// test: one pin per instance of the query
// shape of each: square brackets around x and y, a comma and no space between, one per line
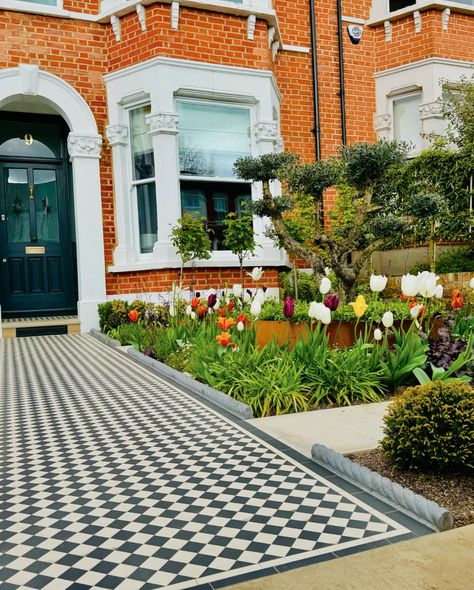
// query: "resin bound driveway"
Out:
[113,478]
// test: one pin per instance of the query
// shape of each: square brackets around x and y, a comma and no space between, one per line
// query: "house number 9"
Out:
[28,139]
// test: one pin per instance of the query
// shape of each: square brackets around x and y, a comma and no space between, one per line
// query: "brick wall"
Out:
[81,52]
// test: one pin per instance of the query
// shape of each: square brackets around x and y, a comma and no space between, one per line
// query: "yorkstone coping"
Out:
[104,338]
[433,514]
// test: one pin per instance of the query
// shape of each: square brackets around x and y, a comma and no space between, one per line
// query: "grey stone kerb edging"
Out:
[387,490]
[233,406]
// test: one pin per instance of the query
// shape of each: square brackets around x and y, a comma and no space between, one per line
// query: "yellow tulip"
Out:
[359,305]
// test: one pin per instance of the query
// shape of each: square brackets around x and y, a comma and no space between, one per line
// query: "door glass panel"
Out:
[17,205]
[30,140]
[46,205]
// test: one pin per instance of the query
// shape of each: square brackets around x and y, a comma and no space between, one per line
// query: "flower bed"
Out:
[215,338]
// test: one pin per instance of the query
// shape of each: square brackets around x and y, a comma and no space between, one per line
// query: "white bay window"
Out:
[176,129]
[407,122]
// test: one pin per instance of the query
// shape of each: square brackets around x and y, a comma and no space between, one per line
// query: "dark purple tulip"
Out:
[332,301]
[212,300]
[289,307]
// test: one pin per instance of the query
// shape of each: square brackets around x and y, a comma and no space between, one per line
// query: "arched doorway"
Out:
[40,97]
[38,274]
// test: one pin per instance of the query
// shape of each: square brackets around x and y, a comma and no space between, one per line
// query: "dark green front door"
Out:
[36,254]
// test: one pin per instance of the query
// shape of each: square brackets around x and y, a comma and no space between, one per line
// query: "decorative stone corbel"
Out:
[175,15]
[275,48]
[383,122]
[271,35]
[141,13]
[387,25]
[417,21]
[251,23]
[116,28]
[266,131]
[84,146]
[431,110]
[162,123]
[445,18]
[116,134]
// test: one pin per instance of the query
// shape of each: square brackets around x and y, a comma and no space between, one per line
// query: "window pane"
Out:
[399,4]
[18,205]
[147,217]
[214,200]
[142,146]
[48,2]
[211,138]
[46,205]
[406,120]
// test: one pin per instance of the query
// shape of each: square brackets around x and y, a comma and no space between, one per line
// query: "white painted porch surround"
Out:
[84,144]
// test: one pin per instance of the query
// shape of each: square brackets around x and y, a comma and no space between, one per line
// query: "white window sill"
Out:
[218,259]
[379,15]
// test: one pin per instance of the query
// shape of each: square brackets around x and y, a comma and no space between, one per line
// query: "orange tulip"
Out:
[457,300]
[222,312]
[195,302]
[225,323]
[133,315]
[422,308]
[243,318]
[224,339]
[202,310]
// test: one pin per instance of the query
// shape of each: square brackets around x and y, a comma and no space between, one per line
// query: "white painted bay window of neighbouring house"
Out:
[407,122]
[46,2]
[143,175]
[212,136]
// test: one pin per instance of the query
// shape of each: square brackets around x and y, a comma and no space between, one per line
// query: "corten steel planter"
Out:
[342,334]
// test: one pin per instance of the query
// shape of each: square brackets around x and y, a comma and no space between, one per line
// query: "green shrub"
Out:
[136,335]
[179,360]
[307,288]
[431,428]
[113,314]
[458,260]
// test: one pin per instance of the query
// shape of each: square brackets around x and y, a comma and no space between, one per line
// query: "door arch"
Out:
[83,145]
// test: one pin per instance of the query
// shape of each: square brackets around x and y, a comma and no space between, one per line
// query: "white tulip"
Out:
[247,297]
[325,315]
[409,285]
[387,319]
[427,283]
[439,292]
[189,310]
[237,290]
[415,310]
[240,326]
[377,334]
[325,286]
[471,283]
[193,315]
[327,271]
[256,273]
[255,308]
[210,311]
[313,310]
[260,296]
[378,283]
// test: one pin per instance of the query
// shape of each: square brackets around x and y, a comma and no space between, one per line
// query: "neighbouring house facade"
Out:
[118,115]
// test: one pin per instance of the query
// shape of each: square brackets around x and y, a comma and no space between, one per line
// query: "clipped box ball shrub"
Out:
[431,428]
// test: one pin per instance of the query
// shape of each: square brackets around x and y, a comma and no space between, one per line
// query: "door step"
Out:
[41,326]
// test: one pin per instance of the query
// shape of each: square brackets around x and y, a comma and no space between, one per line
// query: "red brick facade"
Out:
[82,52]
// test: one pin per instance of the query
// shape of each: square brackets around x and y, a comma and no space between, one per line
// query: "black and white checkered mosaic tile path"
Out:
[114,479]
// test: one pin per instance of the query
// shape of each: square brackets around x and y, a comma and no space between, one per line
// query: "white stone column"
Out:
[84,152]
[124,253]
[267,138]
[163,127]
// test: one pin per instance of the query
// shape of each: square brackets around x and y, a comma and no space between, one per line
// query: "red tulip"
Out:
[133,315]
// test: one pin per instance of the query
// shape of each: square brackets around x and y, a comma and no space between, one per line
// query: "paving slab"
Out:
[346,430]
[114,478]
[439,562]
